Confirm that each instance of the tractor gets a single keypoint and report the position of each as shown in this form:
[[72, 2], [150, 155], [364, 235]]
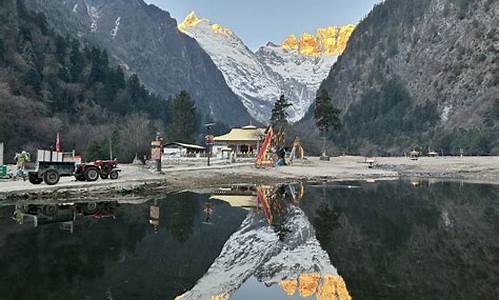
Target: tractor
[[100, 168]]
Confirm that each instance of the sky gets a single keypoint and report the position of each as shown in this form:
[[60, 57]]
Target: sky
[[257, 22]]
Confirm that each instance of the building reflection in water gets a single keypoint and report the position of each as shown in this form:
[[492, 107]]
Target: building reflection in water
[[275, 243], [154, 216]]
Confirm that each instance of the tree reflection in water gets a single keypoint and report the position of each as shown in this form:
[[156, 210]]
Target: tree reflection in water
[[120, 258], [389, 240], [411, 240]]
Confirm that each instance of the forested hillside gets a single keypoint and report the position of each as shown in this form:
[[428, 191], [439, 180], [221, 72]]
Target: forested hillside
[[418, 74], [51, 83], [145, 40]]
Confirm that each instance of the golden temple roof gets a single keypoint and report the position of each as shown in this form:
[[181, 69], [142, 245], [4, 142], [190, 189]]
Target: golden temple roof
[[245, 134]]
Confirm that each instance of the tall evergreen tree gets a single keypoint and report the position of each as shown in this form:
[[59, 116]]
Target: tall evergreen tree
[[60, 48], [184, 123], [279, 114], [327, 117], [33, 78], [76, 59], [279, 120]]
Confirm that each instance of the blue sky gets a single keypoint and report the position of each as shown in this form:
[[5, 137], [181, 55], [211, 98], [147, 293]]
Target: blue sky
[[258, 21]]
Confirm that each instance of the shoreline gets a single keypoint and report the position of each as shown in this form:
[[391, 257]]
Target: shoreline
[[138, 181]]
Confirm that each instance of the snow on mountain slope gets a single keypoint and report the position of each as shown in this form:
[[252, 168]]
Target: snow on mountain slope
[[294, 69], [243, 72], [295, 262], [298, 76]]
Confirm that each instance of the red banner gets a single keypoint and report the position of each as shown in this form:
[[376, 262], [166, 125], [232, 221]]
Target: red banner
[[58, 143]]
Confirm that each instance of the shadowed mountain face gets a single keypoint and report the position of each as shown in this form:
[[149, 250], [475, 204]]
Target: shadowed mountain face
[[145, 40], [395, 241], [419, 72]]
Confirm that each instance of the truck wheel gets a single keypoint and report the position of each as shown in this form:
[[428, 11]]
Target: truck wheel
[[91, 174], [51, 177], [50, 210], [113, 175], [34, 179], [104, 175]]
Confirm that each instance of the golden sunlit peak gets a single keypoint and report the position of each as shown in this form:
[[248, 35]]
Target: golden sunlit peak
[[326, 287], [308, 45], [291, 43], [330, 40], [190, 20], [193, 20], [217, 28], [289, 286]]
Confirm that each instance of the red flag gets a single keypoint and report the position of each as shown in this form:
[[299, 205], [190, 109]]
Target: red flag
[[265, 145], [58, 143]]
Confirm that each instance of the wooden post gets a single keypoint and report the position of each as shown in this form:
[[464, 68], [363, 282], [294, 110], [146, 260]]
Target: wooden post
[[1, 154]]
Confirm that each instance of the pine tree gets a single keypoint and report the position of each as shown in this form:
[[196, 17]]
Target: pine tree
[[327, 117], [99, 66], [97, 149], [118, 78], [77, 62], [279, 114], [184, 123], [32, 78], [135, 87], [279, 120], [60, 49]]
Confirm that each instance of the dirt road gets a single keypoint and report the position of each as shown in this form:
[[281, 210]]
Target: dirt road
[[473, 169]]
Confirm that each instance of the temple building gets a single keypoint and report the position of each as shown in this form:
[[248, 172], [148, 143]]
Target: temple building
[[183, 150], [244, 141]]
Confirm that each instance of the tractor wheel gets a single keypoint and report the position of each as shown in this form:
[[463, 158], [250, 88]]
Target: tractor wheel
[[51, 177], [91, 174], [90, 208], [113, 175], [104, 175], [34, 179]]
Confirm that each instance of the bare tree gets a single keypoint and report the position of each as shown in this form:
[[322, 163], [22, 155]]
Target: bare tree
[[135, 134]]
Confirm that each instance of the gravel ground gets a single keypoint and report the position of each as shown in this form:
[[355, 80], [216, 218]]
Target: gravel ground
[[194, 176]]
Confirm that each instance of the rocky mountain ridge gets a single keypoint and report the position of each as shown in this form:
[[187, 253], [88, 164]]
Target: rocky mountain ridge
[[331, 40], [144, 39], [295, 70]]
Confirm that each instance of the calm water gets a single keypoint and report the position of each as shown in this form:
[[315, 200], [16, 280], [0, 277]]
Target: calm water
[[384, 240]]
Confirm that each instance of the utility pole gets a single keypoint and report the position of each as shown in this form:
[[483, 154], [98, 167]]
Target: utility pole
[[158, 161], [110, 148]]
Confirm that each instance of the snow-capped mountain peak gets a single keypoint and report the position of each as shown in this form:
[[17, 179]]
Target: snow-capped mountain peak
[[295, 68]]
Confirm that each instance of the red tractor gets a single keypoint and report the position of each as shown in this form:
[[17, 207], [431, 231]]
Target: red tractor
[[92, 170]]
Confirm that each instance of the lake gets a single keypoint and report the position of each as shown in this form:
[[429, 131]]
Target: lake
[[366, 240]]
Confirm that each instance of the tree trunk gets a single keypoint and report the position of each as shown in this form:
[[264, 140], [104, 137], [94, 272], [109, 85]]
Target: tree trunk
[[324, 145]]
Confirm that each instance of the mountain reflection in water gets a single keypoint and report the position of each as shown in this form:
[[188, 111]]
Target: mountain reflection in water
[[387, 240], [276, 244]]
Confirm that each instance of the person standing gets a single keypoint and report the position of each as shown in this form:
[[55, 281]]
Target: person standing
[[21, 160]]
